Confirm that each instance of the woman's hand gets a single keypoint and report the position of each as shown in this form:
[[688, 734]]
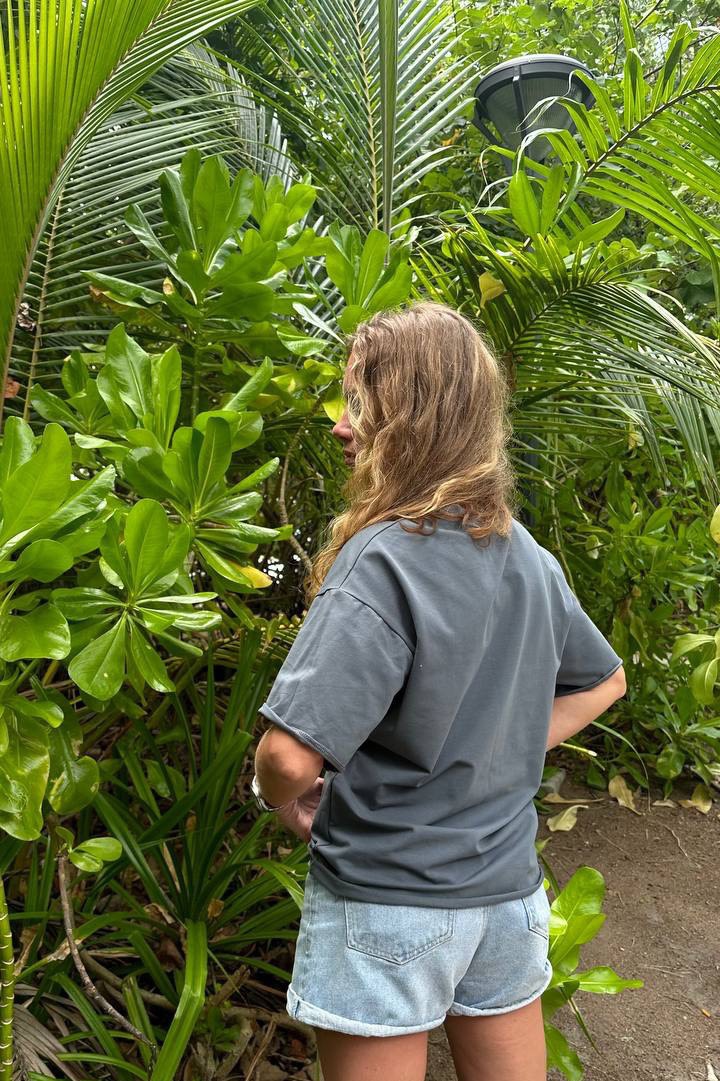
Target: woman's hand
[[299, 813]]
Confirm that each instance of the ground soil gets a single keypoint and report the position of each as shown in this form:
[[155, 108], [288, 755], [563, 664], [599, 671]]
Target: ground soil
[[662, 874]]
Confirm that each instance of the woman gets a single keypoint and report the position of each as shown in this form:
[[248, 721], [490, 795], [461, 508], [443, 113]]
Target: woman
[[442, 654]]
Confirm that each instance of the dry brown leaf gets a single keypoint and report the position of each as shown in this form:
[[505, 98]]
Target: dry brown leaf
[[701, 799], [566, 819], [619, 790], [553, 797]]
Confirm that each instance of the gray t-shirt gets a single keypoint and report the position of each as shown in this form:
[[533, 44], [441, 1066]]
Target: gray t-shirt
[[424, 673]]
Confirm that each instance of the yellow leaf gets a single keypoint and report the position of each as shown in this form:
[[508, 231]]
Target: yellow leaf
[[664, 803], [619, 790], [565, 820], [489, 288], [701, 799], [334, 407], [257, 577], [715, 526]]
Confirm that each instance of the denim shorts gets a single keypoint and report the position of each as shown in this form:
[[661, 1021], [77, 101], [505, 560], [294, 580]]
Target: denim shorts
[[372, 969]]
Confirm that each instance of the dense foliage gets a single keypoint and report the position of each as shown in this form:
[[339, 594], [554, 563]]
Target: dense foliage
[[174, 319]]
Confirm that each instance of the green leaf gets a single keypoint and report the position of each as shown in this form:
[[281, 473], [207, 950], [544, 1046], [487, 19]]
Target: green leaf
[[146, 543], [552, 190], [582, 894], [85, 861], [604, 981], [74, 780], [149, 662], [523, 204], [688, 642], [42, 710], [84, 602], [166, 384], [560, 1054], [17, 447], [37, 487], [670, 762], [215, 456], [100, 667], [105, 849], [24, 768], [41, 561], [250, 390], [372, 264], [41, 633], [702, 681], [130, 367]]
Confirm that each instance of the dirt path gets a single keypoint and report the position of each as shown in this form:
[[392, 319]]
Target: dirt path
[[662, 873]]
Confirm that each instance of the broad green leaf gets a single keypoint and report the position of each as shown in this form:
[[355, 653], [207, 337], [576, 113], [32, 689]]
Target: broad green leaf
[[249, 391], [670, 762], [41, 561], [523, 204], [85, 862], [214, 461], [41, 633], [100, 667], [232, 571], [257, 477], [372, 264], [583, 894], [560, 1054], [166, 384], [106, 849], [84, 602], [552, 190], [702, 681], [146, 542], [42, 710], [74, 779], [37, 487], [149, 663], [604, 981], [18, 442], [24, 769], [688, 642], [130, 366]]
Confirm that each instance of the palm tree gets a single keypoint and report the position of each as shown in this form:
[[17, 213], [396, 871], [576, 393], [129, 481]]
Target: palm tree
[[66, 68]]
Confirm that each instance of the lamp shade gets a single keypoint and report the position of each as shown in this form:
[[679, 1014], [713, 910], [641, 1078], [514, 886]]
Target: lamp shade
[[508, 93]]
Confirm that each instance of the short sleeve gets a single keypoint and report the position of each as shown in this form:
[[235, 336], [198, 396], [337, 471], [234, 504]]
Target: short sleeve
[[340, 677], [588, 659]]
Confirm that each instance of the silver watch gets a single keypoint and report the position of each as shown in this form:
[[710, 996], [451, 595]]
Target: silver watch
[[262, 803]]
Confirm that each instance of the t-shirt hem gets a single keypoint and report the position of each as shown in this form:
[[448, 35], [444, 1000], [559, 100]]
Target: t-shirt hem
[[388, 895], [302, 737], [588, 686]]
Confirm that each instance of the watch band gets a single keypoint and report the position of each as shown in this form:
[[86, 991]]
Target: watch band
[[262, 803]]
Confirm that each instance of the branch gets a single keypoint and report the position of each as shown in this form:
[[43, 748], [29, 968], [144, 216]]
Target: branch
[[90, 988]]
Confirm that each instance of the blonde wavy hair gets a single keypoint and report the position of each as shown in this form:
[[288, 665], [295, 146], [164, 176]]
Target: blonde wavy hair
[[428, 406]]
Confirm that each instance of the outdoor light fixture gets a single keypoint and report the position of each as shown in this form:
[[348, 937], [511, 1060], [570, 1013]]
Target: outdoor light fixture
[[506, 96]]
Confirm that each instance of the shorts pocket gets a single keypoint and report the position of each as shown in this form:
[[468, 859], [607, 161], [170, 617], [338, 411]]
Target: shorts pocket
[[396, 933], [537, 910]]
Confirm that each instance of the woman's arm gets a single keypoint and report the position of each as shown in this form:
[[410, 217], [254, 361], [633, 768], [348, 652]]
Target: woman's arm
[[572, 712]]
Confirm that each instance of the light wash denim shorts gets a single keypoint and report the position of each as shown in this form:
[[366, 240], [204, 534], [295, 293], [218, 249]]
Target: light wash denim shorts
[[373, 969]]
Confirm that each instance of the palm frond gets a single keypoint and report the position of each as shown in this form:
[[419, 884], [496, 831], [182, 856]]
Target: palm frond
[[587, 348], [192, 101], [65, 68], [366, 118]]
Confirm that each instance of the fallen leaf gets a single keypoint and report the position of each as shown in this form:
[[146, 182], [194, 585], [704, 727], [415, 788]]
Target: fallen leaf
[[566, 819], [664, 803], [705, 1012], [701, 799], [553, 797], [711, 1075], [619, 790]]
